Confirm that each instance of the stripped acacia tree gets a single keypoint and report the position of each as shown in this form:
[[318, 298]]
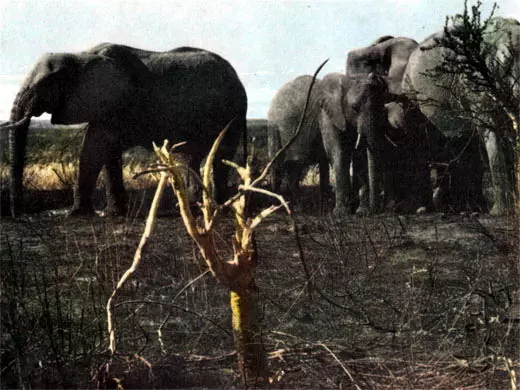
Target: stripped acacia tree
[[237, 272]]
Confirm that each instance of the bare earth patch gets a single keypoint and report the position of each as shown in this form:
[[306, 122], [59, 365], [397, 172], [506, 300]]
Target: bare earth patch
[[392, 302]]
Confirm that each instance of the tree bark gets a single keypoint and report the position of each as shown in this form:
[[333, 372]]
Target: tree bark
[[252, 360]]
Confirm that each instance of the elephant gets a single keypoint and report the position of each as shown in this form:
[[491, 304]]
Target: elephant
[[283, 117], [404, 142], [352, 108], [387, 56], [130, 97], [353, 125], [442, 97]]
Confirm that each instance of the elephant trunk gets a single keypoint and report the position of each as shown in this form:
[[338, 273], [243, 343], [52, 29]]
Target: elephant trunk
[[372, 137], [373, 180], [17, 144]]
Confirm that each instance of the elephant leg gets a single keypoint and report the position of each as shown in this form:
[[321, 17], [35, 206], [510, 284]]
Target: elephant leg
[[500, 175], [294, 175], [360, 181], [422, 200], [191, 183], [393, 177], [227, 150], [414, 182], [470, 175], [340, 156], [115, 189], [324, 173], [338, 151], [374, 182], [220, 179], [441, 192], [92, 158]]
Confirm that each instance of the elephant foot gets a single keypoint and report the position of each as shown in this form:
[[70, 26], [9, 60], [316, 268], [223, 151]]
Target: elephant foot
[[112, 213], [114, 210], [421, 210]]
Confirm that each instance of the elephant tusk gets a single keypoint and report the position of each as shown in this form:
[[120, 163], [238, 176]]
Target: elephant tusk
[[358, 141], [390, 140], [22, 122]]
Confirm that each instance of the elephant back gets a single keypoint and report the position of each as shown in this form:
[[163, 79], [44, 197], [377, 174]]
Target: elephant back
[[436, 92], [382, 39], [285, 112], [183, 68]]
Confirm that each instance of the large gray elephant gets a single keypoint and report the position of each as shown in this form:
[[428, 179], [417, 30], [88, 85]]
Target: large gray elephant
[[446, 99], [284, 115], [353, 110], [386, 146], [387, 56], [130, 97], [354, 106]]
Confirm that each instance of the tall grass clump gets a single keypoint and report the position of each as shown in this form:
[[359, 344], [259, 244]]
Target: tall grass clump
[[51, 315]]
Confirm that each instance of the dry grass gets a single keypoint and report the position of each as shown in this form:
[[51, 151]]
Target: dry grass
[[61, 176], [400, 302]]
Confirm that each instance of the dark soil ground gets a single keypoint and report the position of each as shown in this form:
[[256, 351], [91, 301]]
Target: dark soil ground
[[416, 302]]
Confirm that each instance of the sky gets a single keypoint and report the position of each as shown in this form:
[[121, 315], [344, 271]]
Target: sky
[[268, 42]]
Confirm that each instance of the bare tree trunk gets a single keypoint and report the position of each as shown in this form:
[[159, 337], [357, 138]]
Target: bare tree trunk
[[252, 360]]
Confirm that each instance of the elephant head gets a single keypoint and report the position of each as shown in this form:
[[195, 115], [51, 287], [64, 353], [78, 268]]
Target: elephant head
[[386, 56], [73, 88], [365, 98]]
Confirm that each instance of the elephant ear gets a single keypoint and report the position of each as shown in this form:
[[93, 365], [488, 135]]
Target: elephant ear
[[332, 100], [364, 61], [101, 86]]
